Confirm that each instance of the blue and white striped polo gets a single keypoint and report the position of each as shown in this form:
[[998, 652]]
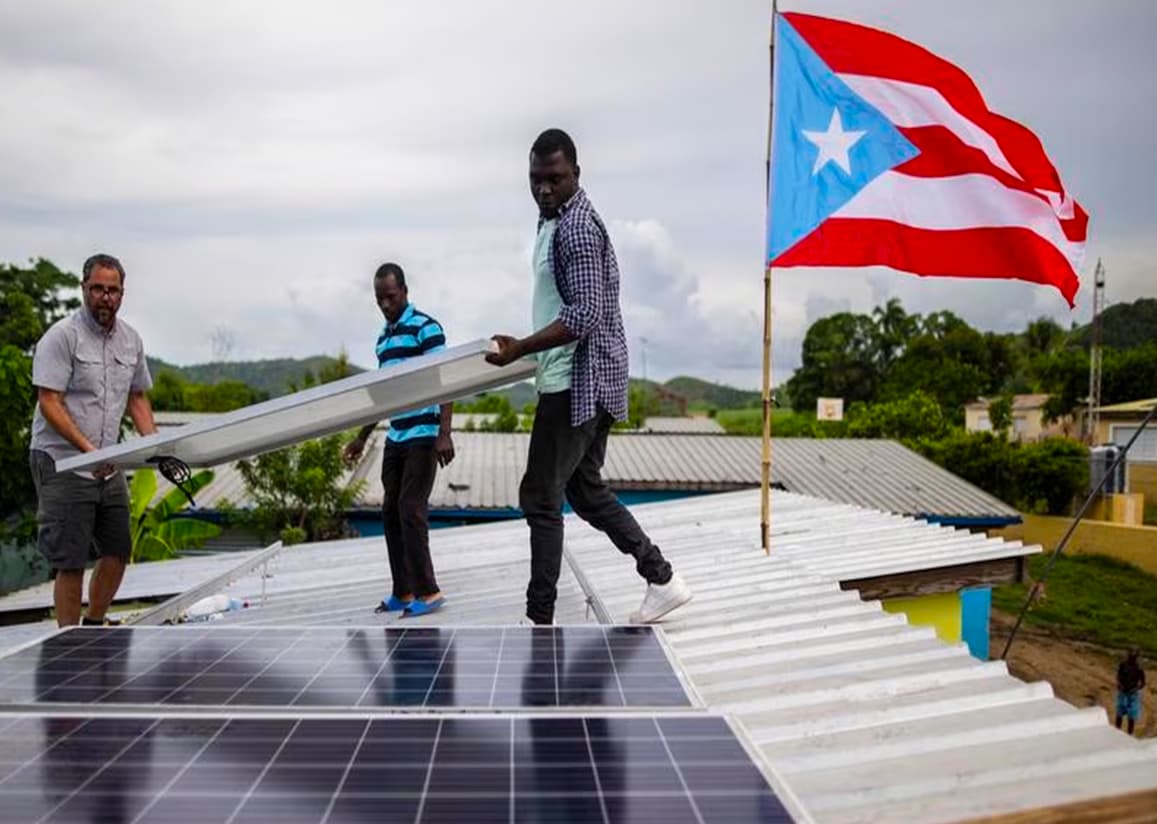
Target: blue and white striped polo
[[415, 333]]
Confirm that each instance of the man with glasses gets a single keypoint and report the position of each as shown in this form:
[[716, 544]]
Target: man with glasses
[[88, 369]]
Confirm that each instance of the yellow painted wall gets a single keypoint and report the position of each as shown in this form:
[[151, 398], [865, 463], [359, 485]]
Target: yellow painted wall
[[1143, 479], [1128, 508], [942, 612], [1134, 544]]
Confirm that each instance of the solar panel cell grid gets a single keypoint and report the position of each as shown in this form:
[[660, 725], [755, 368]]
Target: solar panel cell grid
[[391, 667], [508, 769]]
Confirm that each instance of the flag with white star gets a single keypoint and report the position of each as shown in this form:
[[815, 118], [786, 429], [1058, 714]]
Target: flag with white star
[[884, 154]]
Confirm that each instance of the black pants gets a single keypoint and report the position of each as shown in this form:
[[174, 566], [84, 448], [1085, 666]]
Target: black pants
[[569, 459], [407, 477]]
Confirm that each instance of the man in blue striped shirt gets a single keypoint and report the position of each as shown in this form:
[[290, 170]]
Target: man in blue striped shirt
[[418, 442], [581, 351]]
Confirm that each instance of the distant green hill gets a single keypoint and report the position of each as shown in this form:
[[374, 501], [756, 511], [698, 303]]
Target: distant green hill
[[519, 395], [716, 395], [272, 377], [1125, 325]]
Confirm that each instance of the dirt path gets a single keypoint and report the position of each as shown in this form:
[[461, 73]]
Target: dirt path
[[1083, 674]]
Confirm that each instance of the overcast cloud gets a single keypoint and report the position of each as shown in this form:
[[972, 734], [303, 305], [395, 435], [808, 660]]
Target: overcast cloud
[[253, 163]]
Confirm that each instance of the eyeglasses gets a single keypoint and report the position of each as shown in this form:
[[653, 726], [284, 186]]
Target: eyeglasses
[[98, 291]]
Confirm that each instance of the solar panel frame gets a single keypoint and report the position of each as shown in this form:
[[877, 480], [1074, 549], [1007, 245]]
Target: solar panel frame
[[429, 768], [391, 667], [361, 399]]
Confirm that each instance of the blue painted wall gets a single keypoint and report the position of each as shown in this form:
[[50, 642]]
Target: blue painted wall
[[975, 608]]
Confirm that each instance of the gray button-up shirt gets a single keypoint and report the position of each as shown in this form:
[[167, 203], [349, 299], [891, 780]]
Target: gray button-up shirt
[[96, 370]]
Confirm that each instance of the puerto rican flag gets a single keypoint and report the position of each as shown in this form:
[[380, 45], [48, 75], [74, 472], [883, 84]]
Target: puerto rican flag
[[883, 154]]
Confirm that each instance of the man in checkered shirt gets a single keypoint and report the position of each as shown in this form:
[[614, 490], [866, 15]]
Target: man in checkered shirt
[[581, 352]]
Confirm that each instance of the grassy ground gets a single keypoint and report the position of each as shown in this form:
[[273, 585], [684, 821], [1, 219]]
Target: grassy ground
[[748, 421], [1093, 598]]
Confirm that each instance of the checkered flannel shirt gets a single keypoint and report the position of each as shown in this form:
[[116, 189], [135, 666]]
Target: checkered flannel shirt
[[587, 275]]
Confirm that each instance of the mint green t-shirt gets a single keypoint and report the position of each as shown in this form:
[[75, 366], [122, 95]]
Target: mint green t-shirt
[[554, 365]]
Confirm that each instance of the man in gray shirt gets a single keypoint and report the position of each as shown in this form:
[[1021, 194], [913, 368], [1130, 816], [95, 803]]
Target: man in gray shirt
[[88, 369]]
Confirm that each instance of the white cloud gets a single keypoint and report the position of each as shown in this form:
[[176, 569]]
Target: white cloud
[[252, 163]]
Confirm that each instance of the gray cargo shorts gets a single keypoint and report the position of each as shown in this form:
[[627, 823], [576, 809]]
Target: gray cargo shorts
[[79, 518]]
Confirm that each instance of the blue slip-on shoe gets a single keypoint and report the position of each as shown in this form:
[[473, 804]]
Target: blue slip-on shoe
[[393, 604], [420, 607]]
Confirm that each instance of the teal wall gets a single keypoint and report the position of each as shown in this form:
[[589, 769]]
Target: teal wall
[[975, 608]]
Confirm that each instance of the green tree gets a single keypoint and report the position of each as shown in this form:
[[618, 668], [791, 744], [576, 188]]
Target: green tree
[[157, 531], [171, 393], [1130, 374], [916, 416], [487, 404], [32, 298], [839, 361], [641, 404], [223, 396], [894, 328], [505, 420], [302, 487], [1065, 377], [17, 400], [1043, 336], [950, 361], [1000, 414], [1041, 477], [168, 393], [1050, 474]]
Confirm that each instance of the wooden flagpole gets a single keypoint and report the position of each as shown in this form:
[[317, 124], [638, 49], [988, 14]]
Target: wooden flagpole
[[765, 468]]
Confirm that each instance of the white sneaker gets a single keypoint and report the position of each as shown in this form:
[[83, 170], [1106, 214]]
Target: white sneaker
[[526, 622], [662, 599]]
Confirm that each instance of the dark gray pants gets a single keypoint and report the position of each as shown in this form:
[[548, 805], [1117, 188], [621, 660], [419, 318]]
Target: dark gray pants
[[408, 472], [79, 519], [568, 460]]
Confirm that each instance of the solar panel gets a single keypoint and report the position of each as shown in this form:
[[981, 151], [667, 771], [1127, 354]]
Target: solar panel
[[371, 396], [213, 770], [393, 666]]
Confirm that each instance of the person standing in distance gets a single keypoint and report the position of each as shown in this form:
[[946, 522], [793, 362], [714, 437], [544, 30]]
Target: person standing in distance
[[581, 351]]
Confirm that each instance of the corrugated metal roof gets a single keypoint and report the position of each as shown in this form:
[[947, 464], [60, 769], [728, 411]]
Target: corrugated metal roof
[[865, 717], [878, 474], [142, 581], [1132, 407], [17, 635], [481, 569], [1020, 403], [696, 425]]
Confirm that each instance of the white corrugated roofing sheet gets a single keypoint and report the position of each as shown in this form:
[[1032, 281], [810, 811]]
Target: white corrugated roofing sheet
[[878, 474], [141, 582], [865, 717]]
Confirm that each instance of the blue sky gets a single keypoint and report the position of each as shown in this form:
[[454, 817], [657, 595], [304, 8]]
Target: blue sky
[[252, 164]]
